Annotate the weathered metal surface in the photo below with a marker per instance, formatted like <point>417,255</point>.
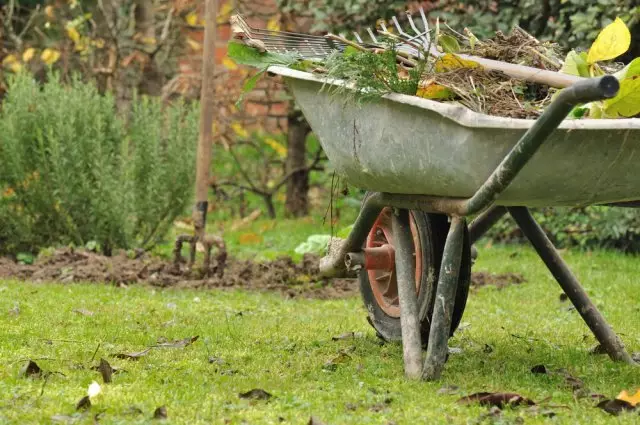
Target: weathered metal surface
<point>408,145</point>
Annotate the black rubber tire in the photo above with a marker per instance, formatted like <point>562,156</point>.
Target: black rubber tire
<point>432,230</point>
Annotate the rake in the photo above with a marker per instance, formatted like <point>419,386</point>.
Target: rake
<point>414,42</point>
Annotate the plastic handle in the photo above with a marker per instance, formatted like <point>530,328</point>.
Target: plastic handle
<point>590,90</point>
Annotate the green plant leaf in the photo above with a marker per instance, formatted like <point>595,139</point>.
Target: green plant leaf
<point>25,258</point>
<point>627,102</point>
<point>631,70</point>
<point>449,44</point>
<point>612,41</point>
<point>576,64</point>
<point>245,55</point>
<point>248,86</point>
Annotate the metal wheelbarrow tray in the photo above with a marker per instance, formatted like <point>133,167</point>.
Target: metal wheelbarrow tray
<point>422,161</point>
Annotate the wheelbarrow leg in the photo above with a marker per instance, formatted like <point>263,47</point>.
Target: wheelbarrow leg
<point>405,272</point>
<point>438,348</point>
<point>570,285</point>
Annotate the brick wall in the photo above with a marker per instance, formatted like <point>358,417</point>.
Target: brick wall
<point>266,105</point>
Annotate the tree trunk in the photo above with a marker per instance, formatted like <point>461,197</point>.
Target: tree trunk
<point>152,79</point>
<point>297,202</point>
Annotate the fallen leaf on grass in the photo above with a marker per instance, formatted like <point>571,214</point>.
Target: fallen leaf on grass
<point>496,399</point>
<point>615,407</point>
<point>570,380</point>
<point>255,394</point>
<point>179,343</point>
<point>15,311</point>
<point>160,413</point>
<point>83,312</point>
<point>633,400</point>
<point>488,349</point>
<point>133,411</point>
<point>216,360</point>
<point>105,370</point>
<point>449,389</point>
<point>314,421</point>
<point>84,403</point>
<point>67,419</point>
<point>332,364</point>
<point>32,370</point>
<point>132,356</point>
<point>348,335</point>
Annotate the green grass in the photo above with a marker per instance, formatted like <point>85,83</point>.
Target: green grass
<point>281,345</point>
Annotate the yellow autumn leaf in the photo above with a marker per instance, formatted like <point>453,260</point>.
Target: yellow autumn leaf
<point>192,19</point>
<point>239,130</point>
<point>49,12</point>
<point>224,12</point>
<point>612,41</point>
<point>28,54</point>
<point>50,56</point>
<point>434,91</point>
<point>449,62</point>
<point>274,24</point>
<point>627,102</point>
<point>194,44</point>
<point>9,59</point>
<point>15,67</point>
<point>276,146</point>
<point>149,41</point>
<point>228,63</point>
<point>98,42</point>
<point>250,239</point>
<point>73,34</point>
<point>633,400</point>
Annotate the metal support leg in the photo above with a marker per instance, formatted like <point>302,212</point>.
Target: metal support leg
<point>439,332</point>
<point>405,271</point>
<point>570,285</point>
<point>484,222</point>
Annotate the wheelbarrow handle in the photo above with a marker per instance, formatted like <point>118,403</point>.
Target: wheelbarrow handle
<point>588,90</point>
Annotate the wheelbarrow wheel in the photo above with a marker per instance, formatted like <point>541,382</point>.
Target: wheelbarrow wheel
<point>379,287</point>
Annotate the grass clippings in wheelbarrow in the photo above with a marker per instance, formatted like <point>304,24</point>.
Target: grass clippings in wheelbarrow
<point>370,72</point>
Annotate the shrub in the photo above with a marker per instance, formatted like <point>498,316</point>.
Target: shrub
<point>587,228</point>
<point>75,171</point>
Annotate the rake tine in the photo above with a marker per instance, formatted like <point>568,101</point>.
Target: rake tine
<point>416,30</point>
<point>372,35</point>
<point>399,28</point>
<point>427,30</point>
<point>357,36</point>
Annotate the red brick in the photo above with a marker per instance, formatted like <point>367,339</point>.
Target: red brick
<point>224,33</point>
<point>255,109</point>
<point>279,109</point>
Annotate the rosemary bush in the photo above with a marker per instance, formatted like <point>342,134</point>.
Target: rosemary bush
<point>74,171</point>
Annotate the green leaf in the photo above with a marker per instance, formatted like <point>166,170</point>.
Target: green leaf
<point>449,44</point>
<point>612,41</point>
<point>576,64</point>
<point>631,70</point>
<point>627,102</point>
<point>245,55</point>
<point>25,258</point>
<point>248,86</point>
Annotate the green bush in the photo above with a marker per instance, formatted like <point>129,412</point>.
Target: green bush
<point>75,171</point>
<point>586,228</point>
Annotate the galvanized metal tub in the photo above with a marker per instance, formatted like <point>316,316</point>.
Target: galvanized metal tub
<point>409,145</point>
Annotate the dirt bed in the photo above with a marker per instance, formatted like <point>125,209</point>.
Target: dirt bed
<point>281,275</point>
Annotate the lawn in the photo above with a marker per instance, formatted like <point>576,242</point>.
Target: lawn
<point>261,340</point>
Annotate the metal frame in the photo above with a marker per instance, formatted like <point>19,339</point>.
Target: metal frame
<point>334,264</point>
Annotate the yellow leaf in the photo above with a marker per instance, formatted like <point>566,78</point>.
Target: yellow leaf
<point>276,146</point>
<point>274,24</point>
<point>194,44</point>
<point>627,102</point>
<point>50,56</point>
<point>228,63</point>
<point>9,59</point>
<point>73,34</point>
<point>449,62</point>
<point>28,54</point>
<point>434,91</point>
<point>239,130</point>
<point>192,19</point>
<point>149,41</point>
<point>250,239</point>
<point>49,11</point>
<point>15,67</point>
<point>224,12</point>
<point>612,41</point>
<point>98,42</point>
<point>633,400</point>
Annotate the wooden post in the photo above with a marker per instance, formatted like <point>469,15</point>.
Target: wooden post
<point>207,98</point>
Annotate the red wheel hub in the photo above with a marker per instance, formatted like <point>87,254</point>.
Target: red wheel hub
<point>380,262</point>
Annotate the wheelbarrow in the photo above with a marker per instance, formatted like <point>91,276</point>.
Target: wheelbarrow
<point>428,166</point>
